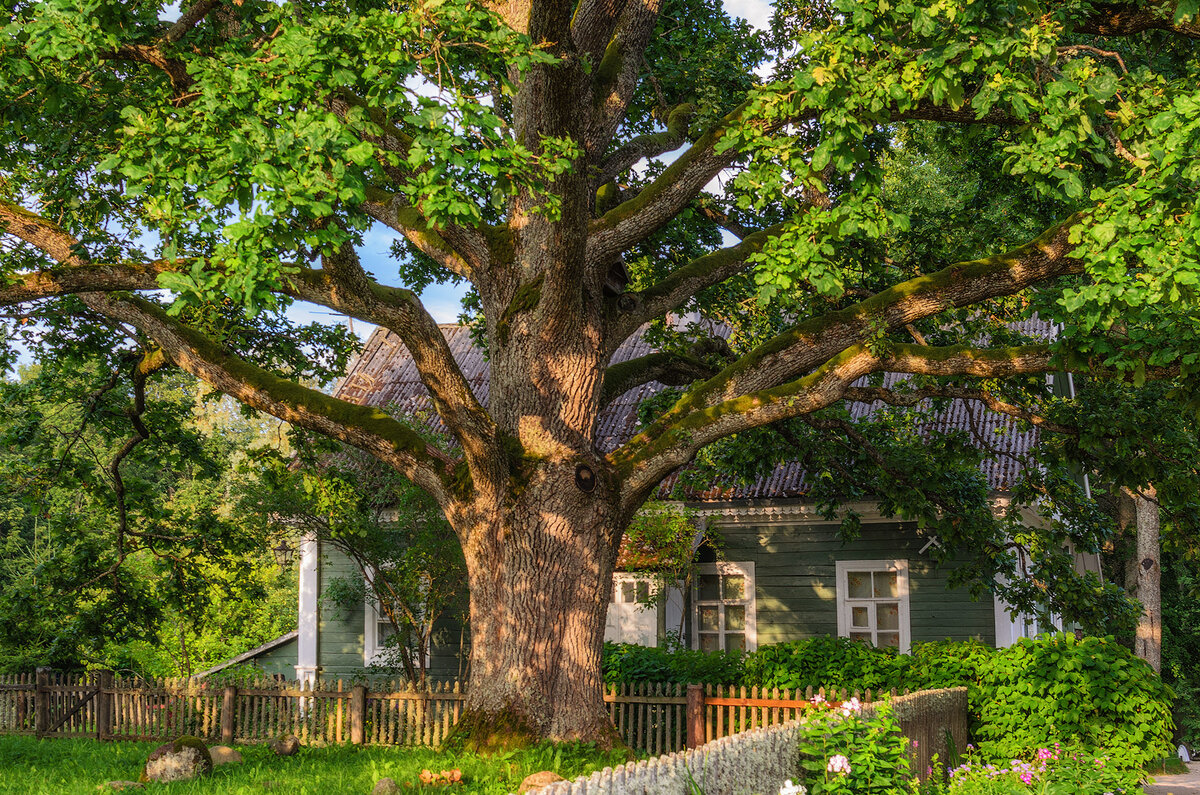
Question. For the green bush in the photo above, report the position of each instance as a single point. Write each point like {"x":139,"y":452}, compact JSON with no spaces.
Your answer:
{"x":1091,"y":692}
{"x":825,"y":662}
{"x":625,"y":662}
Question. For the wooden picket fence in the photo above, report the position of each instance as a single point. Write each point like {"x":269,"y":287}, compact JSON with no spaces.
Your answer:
{"x":653,"y":718}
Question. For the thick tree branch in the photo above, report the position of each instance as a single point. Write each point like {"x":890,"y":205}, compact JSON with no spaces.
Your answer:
{"x":593,"y":26}
{"x":365,"y":427}
{"x":675,"y":437}
{"x":190,"y":19}
{"x":684,"y":283}
{"x":916,"y":396}
{"x":467,"y":256}
{"x":617,"y":75}
{"x":1128,"y":19}
{"x":661,"y":200}
{"x":672,"y":369}
{"x":649,"y":145}
{"x":41,"y":233}
{"x":344,"y":286}
{"x":814,"y":341}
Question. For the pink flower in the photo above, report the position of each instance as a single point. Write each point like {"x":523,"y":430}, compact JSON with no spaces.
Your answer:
{"x":838,"y":764}
{"x":851,"y":706}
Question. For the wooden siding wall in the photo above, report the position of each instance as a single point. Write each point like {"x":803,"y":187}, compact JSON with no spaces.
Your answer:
{"x":340,"y":643}
{"x":796,"y":589}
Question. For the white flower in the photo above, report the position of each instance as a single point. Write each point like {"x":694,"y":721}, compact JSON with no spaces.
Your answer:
{"x":789,"y":788}
{"x":838,"y":764}
{"x":851,"y":706}
{"x":818,"y":699}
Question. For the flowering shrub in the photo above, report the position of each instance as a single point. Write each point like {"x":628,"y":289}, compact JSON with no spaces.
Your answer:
{"x":1052,"y":771}
{"x":846,"y":750}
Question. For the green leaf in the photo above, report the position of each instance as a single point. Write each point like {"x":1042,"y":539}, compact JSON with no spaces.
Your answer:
{"x":361,"y":153}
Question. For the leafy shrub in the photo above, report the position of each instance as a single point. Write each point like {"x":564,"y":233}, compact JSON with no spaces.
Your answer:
{"x":847,"y":750}
{"x":1051,"y":770}
{"x":625,"y":662}
{"x":1090,"y":692}
{"x":825,"y":662}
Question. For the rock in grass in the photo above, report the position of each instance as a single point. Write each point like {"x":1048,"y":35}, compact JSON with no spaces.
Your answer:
{"x":224,"y":755}
{"x":385,"y":786}
{"x":117,"y":786}
{"x":539,"y":780}
{"x":286,"y":745}
{"x":179,"y":760}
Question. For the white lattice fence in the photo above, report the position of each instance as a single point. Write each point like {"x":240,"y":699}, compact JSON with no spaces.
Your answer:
{"x":756,"y":762}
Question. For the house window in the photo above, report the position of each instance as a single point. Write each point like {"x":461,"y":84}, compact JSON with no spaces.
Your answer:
{"x":872,"y":598}
{"x":632,"y":615}
{"x":378,"y":630}
{"x":723,"y":607}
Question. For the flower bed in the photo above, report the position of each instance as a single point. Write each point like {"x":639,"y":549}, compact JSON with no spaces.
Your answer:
{"x":1052,"y":771}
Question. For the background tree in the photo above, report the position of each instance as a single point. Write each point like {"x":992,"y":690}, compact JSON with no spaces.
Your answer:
{"x":408,"y":562}
{"x":239,"y":151}
{"x":120,"y":548}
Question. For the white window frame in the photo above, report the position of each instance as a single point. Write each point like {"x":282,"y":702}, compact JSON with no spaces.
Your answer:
{"x":744,"y":568}
{"x":372,"y":650}
{"x":844,"y":567}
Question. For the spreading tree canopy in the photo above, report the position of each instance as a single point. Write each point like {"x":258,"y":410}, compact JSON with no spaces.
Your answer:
{"x":593,"y":171}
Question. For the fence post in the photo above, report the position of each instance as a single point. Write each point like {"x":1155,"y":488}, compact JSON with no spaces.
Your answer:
{"x":41,"y":702}
{"x":358,"y":709}
{"x":104,"y":697}
{"x":695,"y":716}
{"x":228,"y":708}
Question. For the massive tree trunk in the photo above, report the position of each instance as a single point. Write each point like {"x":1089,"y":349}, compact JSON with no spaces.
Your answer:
{"x":540,"y":578}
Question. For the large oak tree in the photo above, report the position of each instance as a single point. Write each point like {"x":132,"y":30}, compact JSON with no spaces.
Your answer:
{"x":185,"y":178}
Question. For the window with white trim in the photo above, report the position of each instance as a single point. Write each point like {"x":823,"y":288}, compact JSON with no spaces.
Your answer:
{"x":723,"y":607}
{"x":378,"y":631}
{"x":872,"y":598}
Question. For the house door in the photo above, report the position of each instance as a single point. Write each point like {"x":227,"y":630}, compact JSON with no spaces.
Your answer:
{"x":631,"y":616}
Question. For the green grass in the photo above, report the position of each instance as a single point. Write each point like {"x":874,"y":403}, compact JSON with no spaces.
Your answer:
{"x":1169,"y":766}
{"x":73,"y":767}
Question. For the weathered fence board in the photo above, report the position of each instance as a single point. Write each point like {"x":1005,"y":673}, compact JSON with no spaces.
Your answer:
{"x":656,"y":719}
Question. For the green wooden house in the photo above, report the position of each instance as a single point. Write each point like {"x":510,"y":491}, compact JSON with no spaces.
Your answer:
{"x":784,"y":574}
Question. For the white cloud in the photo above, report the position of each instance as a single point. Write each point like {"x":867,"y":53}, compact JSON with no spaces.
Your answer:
{"x":756,"y":12}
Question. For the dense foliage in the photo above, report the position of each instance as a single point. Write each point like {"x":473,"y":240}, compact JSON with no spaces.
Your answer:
{"x":120,"y":545}
{"x":1092,"y":694}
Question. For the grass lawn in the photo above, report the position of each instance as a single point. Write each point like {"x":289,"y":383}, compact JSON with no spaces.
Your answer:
{"x":74,"y":767}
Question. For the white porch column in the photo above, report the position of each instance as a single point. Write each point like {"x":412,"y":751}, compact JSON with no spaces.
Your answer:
{"x":309,"y":617}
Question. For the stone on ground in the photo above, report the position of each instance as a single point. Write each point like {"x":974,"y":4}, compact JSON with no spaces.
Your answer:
{"x":385,"y":786}
{"x":179,"y":760}
{"x":224,"y":755}
{"x":539,"y":780}
{"x":287,"y":745}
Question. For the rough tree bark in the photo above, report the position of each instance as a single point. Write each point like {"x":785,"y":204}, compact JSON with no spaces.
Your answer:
{"x":1148,"y":639}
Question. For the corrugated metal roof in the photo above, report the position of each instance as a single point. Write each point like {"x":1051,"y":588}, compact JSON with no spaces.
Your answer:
{"x":384,"y":375}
